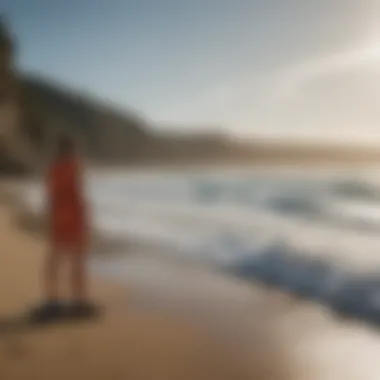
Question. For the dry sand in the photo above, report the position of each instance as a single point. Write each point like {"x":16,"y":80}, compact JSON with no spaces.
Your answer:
{"x":171,"y":322}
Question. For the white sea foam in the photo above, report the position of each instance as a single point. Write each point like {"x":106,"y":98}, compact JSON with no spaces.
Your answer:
{"x":224,"y":217}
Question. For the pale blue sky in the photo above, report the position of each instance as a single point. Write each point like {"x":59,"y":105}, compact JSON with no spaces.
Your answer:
{"x":287,"y":68}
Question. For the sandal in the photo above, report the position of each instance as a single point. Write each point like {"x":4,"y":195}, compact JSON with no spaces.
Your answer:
{"x":47,"y":313}
{"x":85,"y":310}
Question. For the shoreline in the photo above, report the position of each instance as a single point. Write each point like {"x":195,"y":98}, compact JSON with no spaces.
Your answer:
{"x":138,"y":338}
{"x":168,"y":321}
{"x":263,"y":168}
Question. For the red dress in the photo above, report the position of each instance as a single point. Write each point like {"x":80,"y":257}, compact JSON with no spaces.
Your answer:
{"x":68,"y":224}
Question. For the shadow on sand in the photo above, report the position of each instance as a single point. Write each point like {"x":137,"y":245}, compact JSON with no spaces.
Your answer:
{"x":15,"y":329}
{"x":22,"y":323}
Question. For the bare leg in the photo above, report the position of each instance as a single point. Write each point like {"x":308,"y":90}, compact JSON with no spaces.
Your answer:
{"x":51,"y":309}
{"x":82,"y":307}
{"x":79,"y":277}
{"x":52,"y":267}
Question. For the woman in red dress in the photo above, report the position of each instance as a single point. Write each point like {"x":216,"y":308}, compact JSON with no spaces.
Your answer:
{"x":68,"y":233}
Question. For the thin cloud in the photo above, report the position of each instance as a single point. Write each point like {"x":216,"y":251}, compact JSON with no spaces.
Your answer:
{"x":291,"y":81}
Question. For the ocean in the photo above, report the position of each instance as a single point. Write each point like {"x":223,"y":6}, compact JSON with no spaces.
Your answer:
{"x":221,"y":217}
{"x":313,"y":233}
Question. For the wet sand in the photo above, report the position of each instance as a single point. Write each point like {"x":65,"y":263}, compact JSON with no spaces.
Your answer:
{"x":166,"y":320}
{"x":134,"y":340}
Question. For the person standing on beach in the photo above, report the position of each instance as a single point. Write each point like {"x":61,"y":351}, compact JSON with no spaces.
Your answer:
{"x":68,"y":234}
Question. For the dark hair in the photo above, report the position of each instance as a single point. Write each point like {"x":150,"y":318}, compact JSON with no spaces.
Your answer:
{"x":65,"y":145}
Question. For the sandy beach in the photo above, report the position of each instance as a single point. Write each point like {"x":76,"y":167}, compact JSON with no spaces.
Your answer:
{"x":131,"y":341}
{"x":166,"y":320}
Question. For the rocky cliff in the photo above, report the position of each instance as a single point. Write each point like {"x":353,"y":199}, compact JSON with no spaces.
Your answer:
{"x":35,"y":111}
{"x":50,"y":110}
